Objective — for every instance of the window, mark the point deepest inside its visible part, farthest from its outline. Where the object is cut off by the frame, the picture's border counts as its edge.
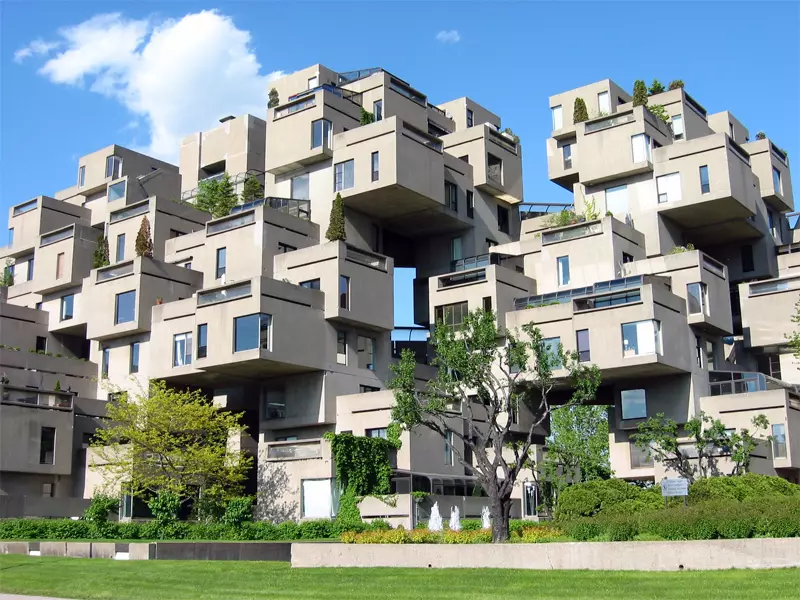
(451, 315)
(456, 249)
(29, 274)
(778, 440)
(344, 292)
(603, 103)
(274, 404)
(551, 346)
(448, 449)
(582, 337)
(47, 446)
(221, 261)
(769, 364)
(558, 121)
(133, 366)
(634, 404)
(747, 258)
(451, 195)
(566, 151)
(174, 233)
(125, 307)
(321, 130)
(698, 351)
(10, 236)
(641, 338)
(487, 304)
(311, 284)
(67, 306)
(60, 265)
(284, 248)
(705, 186)
(640, 147)
(41, 343)
(47, 490)
(617, 200)
(120, 247)
(202, 340)
(774, 225)
(341, 347)
(375, 161)
(313, 82)
(711, 355)
(503, 220)
(697, 298)
(113, 167)
(470, 204)
(626, 258)
(677, 127)
(299, 187)
(730, 129)
(776, 180)
(669, 188)
(251, 332)
(562, 266)
(343, 176)
(379, 432)
(470, 118)
(316, 498)
(39, 305)
(182, 349)
(366, 353)
(105, 361)
(377, 109)
(81, 176)
(116, 191)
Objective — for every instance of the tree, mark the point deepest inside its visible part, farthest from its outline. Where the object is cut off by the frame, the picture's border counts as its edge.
(761, 135)
(100, 257)
(144, 243)
(675, 84)
(639, 93)
(336, 231)
(252, 189)
(579, 442)
(170, 441)
(513, 135)
(794, 337)
(366, 117)
(659, 112)
(579, 112)
(217, 196)
(661, 438)
(656, 88)
(490, 384)
(273, 98)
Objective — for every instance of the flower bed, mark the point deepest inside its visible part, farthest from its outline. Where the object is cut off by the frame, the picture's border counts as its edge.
(530, 533)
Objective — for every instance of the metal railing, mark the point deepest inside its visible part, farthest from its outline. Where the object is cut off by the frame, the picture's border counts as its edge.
(532, 213)
(474, 262)
(724, 383)
(474, 276)
(602, 287)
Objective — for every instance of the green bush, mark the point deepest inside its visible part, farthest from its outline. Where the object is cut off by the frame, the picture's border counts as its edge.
(316, 530)
(238, 511)
(750, 486)
(288, 530)
(615, 495)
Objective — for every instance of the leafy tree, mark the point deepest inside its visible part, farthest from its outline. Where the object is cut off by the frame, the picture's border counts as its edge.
(217, 196)
(252, 189)
(366, 117)
(659, 112)
(489, 384)
(662, 438)
(144, 243)
(167, 441)
(794, 337)
(639, 93)
(579, 442)
(579, 112)
(100, 258)
(675, 84)
(336, 231)
(513, 135)
(273, 98)
(656, 87)
(761, 135)
(8, 273)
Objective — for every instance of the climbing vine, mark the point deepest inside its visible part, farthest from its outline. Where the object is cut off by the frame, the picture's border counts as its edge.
(362, 463)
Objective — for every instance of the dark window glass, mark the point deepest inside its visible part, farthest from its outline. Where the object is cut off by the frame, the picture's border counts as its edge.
(125, 310)
(251, 332)
(202, 340)
(583, 344)
(503, 219)
(105, 361)
(312, 284)
(487, 304)
(747, 258)
(47, 446)
(451, 195)
(344, 292)
(41, 344)
(470, 204)
(705, 187)
(134, 365)
(221, 261)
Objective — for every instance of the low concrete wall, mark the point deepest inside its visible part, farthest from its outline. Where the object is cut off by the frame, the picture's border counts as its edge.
(14, 548)
(598, 556)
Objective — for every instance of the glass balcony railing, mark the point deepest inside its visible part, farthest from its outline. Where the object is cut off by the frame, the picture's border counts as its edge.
(724, 383)
(129, 212)
(613, 121)
(351, 76)
(57, 236)
(602, 287)
(34, 398)
(115, 271)
(366, 258)
(234, 292)
(295, 451)
(562, 235)
(474, 262)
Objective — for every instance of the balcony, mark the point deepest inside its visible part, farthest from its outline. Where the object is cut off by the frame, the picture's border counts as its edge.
(237, 180)
(767, 310)
(771, 165)
(32, 371)
(35, 398)
(64, 258)
(34, 218)
(295, 450)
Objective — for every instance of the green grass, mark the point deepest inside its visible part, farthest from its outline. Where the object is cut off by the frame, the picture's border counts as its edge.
(205, 580)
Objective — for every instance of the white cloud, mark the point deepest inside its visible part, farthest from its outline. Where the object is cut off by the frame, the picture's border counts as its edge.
(448, 36)
(35, 48)
(178, 76)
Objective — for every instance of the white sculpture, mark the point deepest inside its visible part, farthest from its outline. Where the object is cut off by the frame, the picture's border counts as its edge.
(486, 523)
(455, 520)
(435, 522)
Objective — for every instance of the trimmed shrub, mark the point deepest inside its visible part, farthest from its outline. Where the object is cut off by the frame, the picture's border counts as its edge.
(750, 486)
(579, 112)
(288, 530)
(470, 524)
(315, 530)
(616, 495)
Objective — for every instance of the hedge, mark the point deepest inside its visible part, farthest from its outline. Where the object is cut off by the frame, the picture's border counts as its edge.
(531, 533)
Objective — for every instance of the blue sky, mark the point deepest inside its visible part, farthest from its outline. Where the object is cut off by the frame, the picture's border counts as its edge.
(140, 78)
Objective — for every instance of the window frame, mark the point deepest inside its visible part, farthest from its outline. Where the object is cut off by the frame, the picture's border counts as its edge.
(705, 186)
(701, 296)
(325, 134)
(341, 347)
(560, 261)
(657, 349)
(202, 340)
(560, 114)
(678, 135)
(642, 402)
(52, 444)
(188, 349)
(60, 265)
(470, 118)
(133, 358)
(470, 204)
(504, 222)
(566, 155)
(587, 351)
(292, 187)
(120, 247)
(105, 360)
(261, 343)
(344, 294)
(451, 195)
(221, 266)
(375, 165)
(81, 176)
(113, 167)
(377, 109)
(340, 180)
(68, 299)
(369, 350)
(124, 296)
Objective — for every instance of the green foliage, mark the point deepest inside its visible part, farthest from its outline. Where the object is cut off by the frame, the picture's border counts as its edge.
(590, 209)
(8, 273)
(362, 463)
(57, 387)
(793, 338)
(750, 486)
(579, 112)
(252, 189)
(366, 117)
(165, 506)
(655, 88)
(659, 112)
(563, 218)
(675, 84)
(578, 444)
(348, 517)
(217, 196)
(593, 497)
(100, 257)
(99, 508)
(238, 510)
(681, 249)
(514, 136)
(144, 243)
(274, 100)
(336, 230)
(639, 93)
(761, 135)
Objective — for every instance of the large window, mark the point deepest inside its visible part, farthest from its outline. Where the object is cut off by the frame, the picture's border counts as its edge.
(705, 186)
(617, 200)
(222, 257)
(449, 459)
(582, 337)
(778, 440)
(376, 166)
(603, 103)
(452, 315)
(120, 247)
(299, 188)
(566, 150)
(377, 109)
(344, 292)
(634, 404)
(134, 361)
(113, 167)
(470, 204)
(677, 127)
(47, 446)
(503, 219)
(641, 338)
(451, 195)
(769, 364)
(341, 347)
(669, 187)
(182, 349)
(640, 147)
(41, 343)
(321, 133)
(470, 118)
(558, 121)
(562, 266)
(776, 180)
(116, 191)
(60, 265)
(202, 340)
(552, 346)
(378, 432)
(125, 307)
(697, 298)
(251, 332)
(343, 176)
(366, 353)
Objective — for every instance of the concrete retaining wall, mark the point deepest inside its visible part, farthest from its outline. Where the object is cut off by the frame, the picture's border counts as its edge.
(618, 556)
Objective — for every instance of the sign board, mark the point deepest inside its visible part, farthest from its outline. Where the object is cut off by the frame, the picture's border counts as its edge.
(674, 487)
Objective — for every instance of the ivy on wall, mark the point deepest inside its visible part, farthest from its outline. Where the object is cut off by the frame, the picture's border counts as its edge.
(362, 463)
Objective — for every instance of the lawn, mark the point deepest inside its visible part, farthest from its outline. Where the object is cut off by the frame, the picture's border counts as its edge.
(199, 580)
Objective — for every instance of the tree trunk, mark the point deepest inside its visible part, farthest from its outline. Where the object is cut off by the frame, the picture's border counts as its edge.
(501, 510)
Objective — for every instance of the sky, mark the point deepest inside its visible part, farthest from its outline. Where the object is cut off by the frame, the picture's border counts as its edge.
(75, 77)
